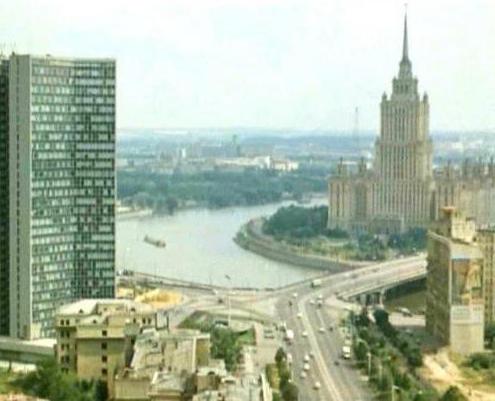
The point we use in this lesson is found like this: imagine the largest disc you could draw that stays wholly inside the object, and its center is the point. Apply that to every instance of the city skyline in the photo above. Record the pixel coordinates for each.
(271, 64)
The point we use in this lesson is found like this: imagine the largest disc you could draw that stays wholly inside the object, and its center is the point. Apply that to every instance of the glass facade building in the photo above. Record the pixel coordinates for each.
(62, 187)
(4, 196)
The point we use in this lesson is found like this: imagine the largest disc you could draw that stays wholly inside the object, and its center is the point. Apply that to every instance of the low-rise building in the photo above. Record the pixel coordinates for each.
(92, 335)
(162, 365)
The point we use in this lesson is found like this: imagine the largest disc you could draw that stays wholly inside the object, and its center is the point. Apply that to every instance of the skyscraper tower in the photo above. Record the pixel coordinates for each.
(397, 193)
(404, 149)
(61, 188)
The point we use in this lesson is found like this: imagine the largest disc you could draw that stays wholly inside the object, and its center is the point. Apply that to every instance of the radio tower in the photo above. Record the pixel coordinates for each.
(355, 131)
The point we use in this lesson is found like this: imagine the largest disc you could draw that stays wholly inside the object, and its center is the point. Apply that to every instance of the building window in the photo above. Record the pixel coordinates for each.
(104, 358)
(104, 372)
(103, 345)
(104, 333)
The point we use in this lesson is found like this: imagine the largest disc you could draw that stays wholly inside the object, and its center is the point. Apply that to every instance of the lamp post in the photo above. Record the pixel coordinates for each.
(228, 300)
(368, 354)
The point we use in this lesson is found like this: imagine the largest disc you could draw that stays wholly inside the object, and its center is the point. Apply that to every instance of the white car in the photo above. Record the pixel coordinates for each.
(312, 302)
(306, 358)
(303, 375)
(322, 329)
(304, 333)
(306, 367)
(317, 385)
(294, 295)
(299, 315)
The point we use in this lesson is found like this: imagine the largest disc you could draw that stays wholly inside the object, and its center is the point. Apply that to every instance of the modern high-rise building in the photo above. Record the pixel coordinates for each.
(402, 190)
(60, 187)
(4, 196)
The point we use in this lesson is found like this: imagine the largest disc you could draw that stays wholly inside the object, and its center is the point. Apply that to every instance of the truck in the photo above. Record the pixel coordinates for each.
(316, 283)
(346, 351)
(289, 336)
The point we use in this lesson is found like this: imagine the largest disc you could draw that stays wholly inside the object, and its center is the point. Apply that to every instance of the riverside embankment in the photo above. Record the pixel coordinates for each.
(251, 238)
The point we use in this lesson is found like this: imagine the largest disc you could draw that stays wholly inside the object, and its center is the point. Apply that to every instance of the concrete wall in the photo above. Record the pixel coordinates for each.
(248, 238)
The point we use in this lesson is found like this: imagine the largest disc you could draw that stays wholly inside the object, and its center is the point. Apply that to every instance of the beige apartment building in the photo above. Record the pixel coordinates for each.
(486, 241)
(401, 190)
(455, 283)
(92, 335)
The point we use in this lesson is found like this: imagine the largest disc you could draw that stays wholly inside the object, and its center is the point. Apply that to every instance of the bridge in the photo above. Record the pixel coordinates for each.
(373, 291)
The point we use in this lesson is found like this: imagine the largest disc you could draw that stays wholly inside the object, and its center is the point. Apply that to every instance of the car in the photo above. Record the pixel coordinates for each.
(317, 385)
(306, 367)
(330, 328)
(304, 333)
(311, 354)
(321, 329)
(294, 295)
(312, 302)
(336, 362)
(303, 375)
(299, 315)
(306, 358)
(320, 297)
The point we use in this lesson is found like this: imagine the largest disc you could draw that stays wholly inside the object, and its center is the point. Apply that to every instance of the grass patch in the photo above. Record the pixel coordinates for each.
(7, 382)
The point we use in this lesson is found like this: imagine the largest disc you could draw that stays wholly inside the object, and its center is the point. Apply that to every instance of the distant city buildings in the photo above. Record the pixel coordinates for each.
(456, 282)
(401, 191)
(57, 180)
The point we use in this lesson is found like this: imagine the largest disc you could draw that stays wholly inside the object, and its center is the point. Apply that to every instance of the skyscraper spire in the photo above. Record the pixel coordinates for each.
(405, 50)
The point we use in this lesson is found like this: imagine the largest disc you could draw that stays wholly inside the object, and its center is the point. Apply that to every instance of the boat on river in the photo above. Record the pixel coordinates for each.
(156, 242)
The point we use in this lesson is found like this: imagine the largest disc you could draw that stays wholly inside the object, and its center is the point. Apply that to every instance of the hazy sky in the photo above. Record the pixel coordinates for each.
(271, 63)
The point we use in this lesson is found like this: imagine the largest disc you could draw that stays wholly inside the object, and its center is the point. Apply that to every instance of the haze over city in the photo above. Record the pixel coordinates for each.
(275, 64)
(247, 200)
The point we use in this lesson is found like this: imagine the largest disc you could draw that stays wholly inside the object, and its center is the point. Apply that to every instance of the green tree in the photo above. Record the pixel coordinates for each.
(453, 394)
(490, 334)
(280, 356)
(224, 345)
(290, 392)
(101, 391)
(48, 381)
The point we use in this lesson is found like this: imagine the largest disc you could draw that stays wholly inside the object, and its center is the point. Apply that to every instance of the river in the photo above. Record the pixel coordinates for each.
(200, 248)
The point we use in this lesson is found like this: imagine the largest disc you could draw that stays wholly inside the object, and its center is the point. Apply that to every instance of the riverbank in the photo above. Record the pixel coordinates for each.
(251, 238)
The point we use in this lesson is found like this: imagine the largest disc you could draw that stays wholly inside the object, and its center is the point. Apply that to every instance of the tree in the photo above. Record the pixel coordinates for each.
(361, 351)
(101, 391)
(453, 394)
(280, 356)
(172, 204)
(290, 392)
(490, 334)
(48, 381)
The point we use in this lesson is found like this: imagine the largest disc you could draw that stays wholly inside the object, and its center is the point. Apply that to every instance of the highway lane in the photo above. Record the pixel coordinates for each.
(298, 349)
(339, 383)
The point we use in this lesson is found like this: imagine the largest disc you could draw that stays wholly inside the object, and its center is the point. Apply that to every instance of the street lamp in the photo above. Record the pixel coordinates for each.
(368, 354)
(228, 300)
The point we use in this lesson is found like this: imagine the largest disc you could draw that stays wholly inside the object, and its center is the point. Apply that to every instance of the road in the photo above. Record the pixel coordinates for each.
(338, 382)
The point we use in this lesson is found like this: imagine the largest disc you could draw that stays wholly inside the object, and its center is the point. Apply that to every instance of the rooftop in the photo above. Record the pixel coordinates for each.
(98, 306)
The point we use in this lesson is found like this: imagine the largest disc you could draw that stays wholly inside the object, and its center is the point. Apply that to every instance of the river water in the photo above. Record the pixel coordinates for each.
(200, 248)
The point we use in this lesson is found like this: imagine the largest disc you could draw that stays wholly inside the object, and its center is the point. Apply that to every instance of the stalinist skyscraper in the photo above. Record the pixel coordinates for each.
(398, 192)
(402, 193)
(402, 190)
